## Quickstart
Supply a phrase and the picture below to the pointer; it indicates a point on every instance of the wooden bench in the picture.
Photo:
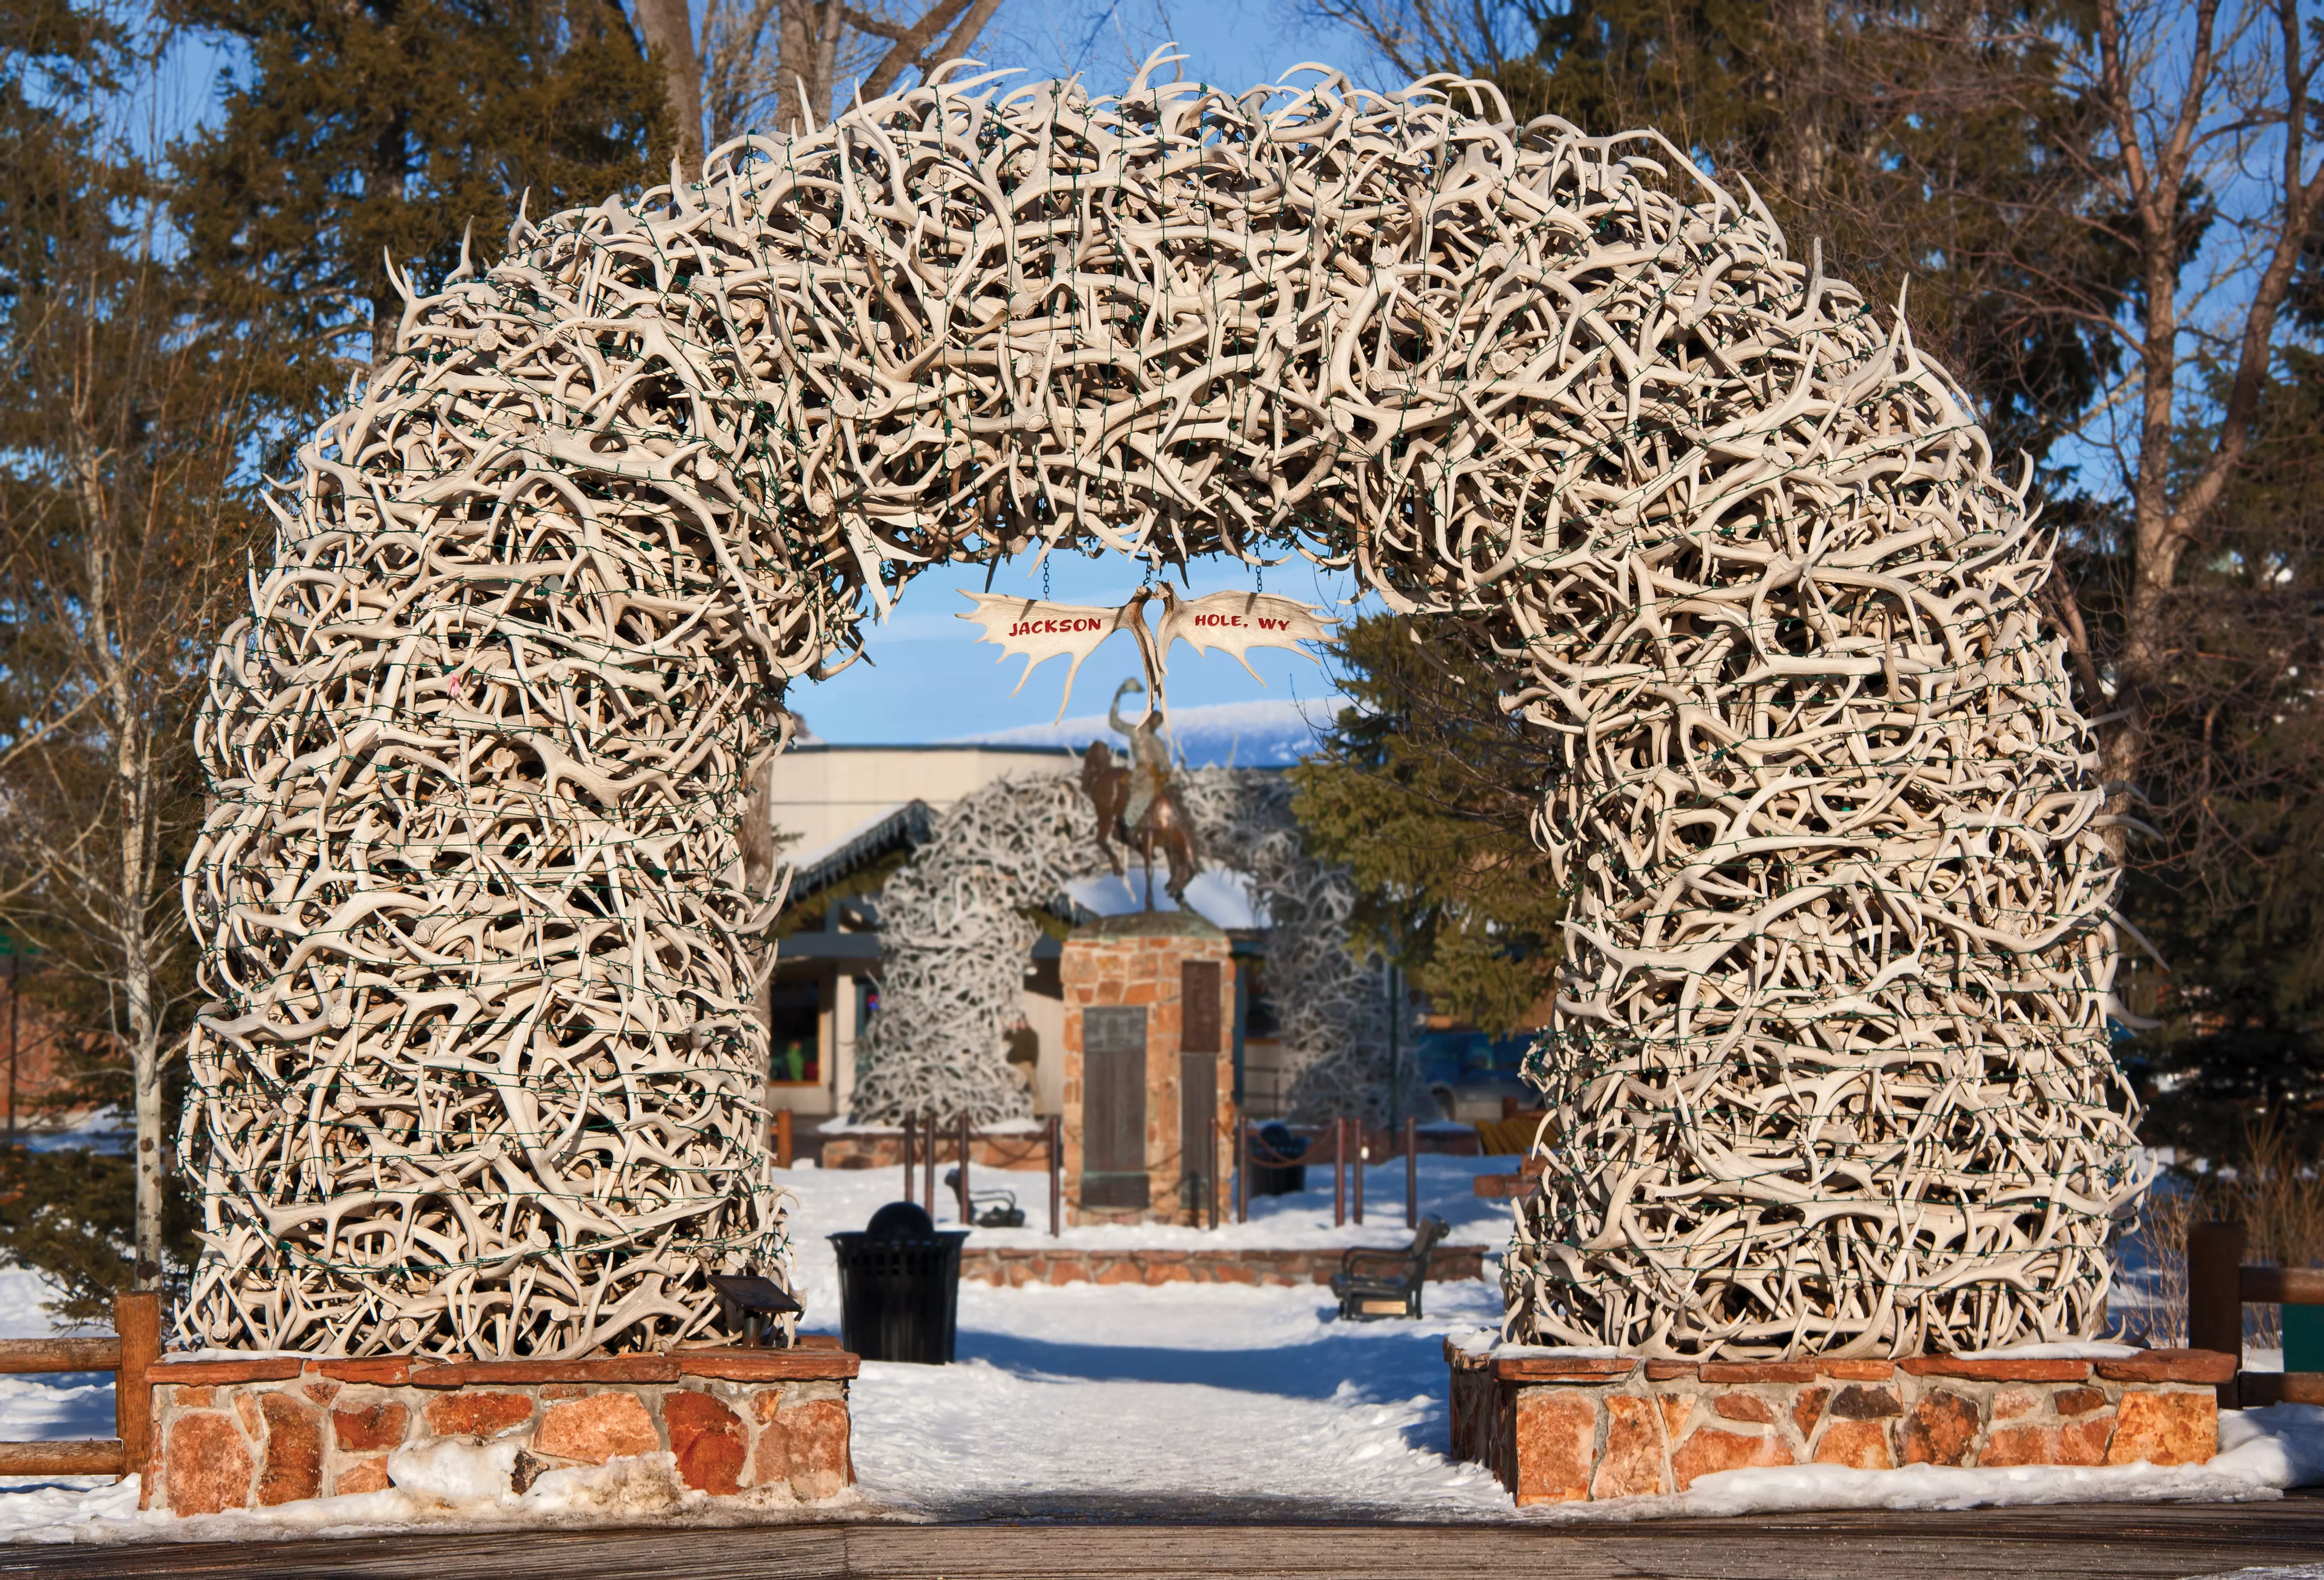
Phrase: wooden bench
(1373, 1283)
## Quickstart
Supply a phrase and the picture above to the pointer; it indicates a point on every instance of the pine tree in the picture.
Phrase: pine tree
(384, 129)
(1938, 145)
(1427, 791)
(2235, 902)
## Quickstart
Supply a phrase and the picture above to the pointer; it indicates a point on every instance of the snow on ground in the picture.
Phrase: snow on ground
(1190, 1401)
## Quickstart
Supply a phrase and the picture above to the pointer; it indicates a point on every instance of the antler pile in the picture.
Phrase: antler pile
(1831, 1060)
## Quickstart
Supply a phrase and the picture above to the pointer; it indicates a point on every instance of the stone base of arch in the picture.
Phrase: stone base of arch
(765, 1427)
(1564, 1429)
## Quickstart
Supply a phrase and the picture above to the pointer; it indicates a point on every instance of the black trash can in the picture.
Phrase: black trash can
(899, 1286)
(1275, 1140)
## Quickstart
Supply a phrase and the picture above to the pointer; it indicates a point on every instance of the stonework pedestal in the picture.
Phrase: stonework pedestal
(1148, 1081)
(764, 1426)
(1560, 1429)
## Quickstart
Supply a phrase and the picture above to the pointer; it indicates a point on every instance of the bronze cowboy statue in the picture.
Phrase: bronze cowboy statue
(1136, 805)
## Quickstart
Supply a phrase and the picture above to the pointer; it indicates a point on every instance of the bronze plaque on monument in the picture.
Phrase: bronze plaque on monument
(1113, 1105)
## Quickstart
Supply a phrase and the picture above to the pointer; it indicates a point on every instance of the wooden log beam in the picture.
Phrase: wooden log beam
(60, 1355)
(87, 1457)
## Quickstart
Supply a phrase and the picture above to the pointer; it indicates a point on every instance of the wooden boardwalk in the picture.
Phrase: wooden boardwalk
(2087, 1542)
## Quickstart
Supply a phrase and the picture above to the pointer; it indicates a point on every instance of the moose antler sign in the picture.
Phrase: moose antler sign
(1223, 622)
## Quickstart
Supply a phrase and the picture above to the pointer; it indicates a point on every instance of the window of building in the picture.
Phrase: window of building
(794, 1031)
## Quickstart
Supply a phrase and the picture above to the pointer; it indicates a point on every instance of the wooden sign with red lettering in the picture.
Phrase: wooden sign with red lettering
(1042, 631)
(1236, 622)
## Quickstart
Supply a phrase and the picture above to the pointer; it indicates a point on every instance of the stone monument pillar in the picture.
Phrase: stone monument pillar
(1149, 1090)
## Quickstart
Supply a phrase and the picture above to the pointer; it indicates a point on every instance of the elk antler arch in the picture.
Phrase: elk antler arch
(477, 893)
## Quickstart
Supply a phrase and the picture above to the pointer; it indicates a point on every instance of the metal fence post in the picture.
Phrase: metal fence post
(965, 1142)
(1339, 1171)
(1056, 1171)
(1411, 1172)
(928, 1163)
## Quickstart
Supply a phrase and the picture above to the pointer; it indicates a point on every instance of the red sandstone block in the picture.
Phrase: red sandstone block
(1745, 1407)
(1556, 1432)
(1941, 1430)
(2176, 1427)
(602, 1427)
(1858, 1371)
(805, 1446)
(1632, 1463)
(1807, 1409)
(294, 1468)
(507, 1373)
(2171, 1365)
(264, 1370)
(707, 1438)
(194, 1398)
(2073, 1443)
(1669, 1371)
(2011, 1404)
(364, 1476)
(2003, 1370)
(2075, 1402)
(387, 1371)
(1759, 1372)
(763, 1365)
(209, 1466)
(1710, 1449)
(371, 1427)
(1858, 1444)
(1564, 1368)
(477, 1414)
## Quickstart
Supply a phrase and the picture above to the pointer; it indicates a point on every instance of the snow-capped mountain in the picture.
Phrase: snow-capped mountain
(1243, 735)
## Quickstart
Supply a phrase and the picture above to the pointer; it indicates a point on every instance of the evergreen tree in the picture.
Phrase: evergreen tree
(1427, 791)
(1936, 144)
(127, 406)
(2233, 902)
(383, 129)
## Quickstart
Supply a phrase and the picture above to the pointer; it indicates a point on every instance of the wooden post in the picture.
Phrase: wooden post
(928, 1163)
(1339, 1172)
(1363, 1144)
(909, 1159)
(1411, 1172)
(962, 1191)
(782, 1138)
(1056, 1172)
(2215, 1296)
(137, 1318)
